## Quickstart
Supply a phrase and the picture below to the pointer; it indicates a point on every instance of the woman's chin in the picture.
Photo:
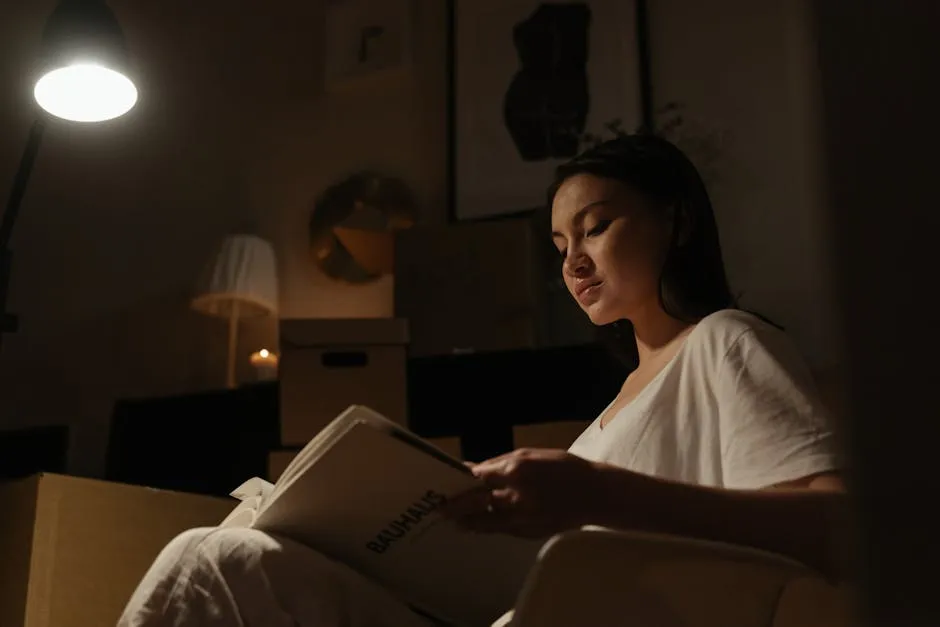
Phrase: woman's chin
(601, 316)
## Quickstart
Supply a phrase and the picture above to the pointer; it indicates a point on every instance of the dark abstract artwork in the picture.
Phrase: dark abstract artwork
(531, 80)
(547, 103)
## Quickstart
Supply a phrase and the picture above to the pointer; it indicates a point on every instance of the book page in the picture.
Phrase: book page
(380, 422)
(252, 495)
(371, 501)
(309, 453)
(342, 423)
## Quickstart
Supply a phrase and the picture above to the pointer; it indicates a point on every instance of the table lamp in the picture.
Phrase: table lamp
(239, 282)
(84, 76)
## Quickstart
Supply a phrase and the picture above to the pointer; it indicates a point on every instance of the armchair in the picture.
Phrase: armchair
(611, 578)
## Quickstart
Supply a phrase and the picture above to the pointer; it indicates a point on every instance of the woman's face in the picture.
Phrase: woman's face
(613, 247)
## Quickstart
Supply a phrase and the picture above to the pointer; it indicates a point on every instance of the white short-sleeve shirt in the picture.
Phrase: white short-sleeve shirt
(736, 407)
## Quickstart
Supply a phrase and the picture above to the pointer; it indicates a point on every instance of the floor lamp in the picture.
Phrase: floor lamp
(240, 282)
(84, 78)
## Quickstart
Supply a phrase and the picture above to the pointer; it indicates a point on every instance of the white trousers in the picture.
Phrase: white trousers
(236, 577)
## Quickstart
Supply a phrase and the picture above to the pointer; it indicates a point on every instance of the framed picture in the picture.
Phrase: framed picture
(529, 79)
(366, 38)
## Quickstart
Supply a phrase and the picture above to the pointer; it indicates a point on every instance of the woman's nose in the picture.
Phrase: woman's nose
(577, 265)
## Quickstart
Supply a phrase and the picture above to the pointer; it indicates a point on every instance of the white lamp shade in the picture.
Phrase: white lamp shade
(85, 92)
(242, 275)
(85, 73)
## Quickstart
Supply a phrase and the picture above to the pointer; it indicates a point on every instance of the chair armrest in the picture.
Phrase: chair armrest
(601, 578)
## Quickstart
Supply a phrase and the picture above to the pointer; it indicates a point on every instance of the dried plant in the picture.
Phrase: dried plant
(703, 145)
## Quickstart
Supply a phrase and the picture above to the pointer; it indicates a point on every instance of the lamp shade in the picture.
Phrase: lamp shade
(85, 70)
(241, 277)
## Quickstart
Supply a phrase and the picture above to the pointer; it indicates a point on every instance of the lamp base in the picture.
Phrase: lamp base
(232, 343)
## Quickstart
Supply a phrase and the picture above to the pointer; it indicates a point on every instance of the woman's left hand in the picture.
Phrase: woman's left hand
(530, 493)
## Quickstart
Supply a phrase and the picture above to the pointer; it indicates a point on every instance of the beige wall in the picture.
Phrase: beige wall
(233, 131)
(396, 123)
(747, 69)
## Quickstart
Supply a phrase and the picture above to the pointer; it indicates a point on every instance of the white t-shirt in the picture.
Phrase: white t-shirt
(736, 407)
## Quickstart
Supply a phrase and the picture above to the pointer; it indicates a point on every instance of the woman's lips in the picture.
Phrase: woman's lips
(589, 292)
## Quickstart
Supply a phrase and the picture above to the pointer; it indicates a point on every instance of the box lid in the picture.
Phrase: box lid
(343, 331)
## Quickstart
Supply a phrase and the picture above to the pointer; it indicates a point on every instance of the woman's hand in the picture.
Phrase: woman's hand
(531, 493)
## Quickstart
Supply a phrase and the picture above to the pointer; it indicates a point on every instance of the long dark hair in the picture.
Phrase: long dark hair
(692, 283)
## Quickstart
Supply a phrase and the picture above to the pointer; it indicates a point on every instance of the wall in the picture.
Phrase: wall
(747, 70)
(396, 123)
(233, 131)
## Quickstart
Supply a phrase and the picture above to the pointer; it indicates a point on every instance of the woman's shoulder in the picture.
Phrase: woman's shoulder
(720, 331)
(734, 322)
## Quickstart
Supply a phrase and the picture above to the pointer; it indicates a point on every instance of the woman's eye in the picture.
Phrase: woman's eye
(563, 253)
(599, 228)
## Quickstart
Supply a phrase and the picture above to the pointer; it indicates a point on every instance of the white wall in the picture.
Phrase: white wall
(747, 69)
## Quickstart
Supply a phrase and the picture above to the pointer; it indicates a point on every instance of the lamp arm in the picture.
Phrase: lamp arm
(8, 322)
(20, 181)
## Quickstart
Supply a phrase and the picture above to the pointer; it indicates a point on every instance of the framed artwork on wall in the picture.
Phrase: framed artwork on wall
(365, 38)
(528, 80)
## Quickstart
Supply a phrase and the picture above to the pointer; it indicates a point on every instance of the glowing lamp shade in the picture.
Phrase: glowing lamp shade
(85, 75)
(85, 92)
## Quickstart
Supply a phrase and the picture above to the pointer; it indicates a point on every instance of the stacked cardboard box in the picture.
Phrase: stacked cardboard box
(74, 549)
(326, 365)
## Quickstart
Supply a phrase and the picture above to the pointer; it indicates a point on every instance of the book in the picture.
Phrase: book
(366, 492)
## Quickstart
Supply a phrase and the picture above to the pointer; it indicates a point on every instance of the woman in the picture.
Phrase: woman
(716, 434)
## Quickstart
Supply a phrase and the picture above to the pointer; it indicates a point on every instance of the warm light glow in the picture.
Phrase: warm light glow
(265, 364)
(85, 93)
(263, 358)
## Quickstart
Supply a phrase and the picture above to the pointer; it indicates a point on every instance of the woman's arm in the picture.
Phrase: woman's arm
(540, 492)
(804, 520)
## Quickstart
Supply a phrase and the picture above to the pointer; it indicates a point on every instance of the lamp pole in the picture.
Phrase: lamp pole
(8, 321)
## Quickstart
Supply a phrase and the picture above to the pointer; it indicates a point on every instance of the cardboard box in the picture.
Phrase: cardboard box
(73, 550)
(484, 286)
(451, 446)
(467, 287)
(560, 434)
(326, 365)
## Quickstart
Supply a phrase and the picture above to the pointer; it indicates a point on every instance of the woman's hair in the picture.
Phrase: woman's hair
(692, 282)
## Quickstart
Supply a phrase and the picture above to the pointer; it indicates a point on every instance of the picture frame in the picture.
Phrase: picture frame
(513, 116)
(365, 39)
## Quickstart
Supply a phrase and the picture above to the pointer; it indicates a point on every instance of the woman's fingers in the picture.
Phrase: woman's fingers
(502, 471)
(488, 511)
(466, 504)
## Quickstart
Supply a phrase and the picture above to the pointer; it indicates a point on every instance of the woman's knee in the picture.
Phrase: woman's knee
(201, 573)
(219, 546)
(202, 556)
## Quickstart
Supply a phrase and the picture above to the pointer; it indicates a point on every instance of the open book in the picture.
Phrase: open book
(365, 492)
